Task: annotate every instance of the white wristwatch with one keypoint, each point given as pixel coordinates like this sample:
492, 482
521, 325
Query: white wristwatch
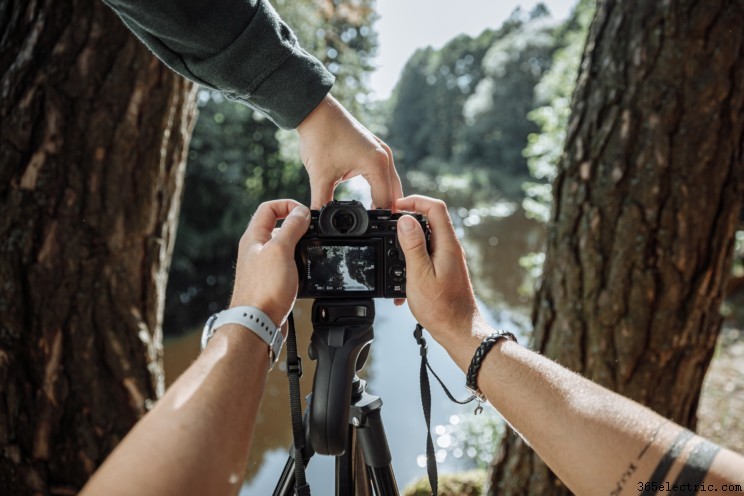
252, 319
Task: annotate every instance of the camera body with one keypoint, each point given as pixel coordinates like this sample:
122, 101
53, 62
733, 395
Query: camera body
351, 252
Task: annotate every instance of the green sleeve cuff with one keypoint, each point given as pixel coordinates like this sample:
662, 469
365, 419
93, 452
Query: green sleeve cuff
291, 92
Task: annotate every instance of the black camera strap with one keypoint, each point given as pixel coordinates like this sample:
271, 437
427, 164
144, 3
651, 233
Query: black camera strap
294, 372
431, 459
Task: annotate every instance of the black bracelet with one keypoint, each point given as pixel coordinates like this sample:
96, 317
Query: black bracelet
472, 378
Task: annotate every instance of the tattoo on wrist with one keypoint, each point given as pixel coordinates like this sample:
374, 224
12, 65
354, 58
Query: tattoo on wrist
632, 467
697, 465
668, 459
691, 475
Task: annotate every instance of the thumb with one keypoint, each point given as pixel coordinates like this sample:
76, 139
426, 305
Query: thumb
413, 243
293, 227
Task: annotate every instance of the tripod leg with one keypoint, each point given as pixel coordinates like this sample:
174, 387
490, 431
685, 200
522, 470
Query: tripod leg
352, 478
374, 446
286, 484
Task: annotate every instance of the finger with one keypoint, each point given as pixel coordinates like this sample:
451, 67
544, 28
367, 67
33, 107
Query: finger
377, 174
442, 231
399, 301
293, 227
413, 243
396, 185
396, 188
321, 191
264, 220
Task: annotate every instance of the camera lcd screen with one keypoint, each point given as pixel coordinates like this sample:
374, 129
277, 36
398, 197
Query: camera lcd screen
339, 267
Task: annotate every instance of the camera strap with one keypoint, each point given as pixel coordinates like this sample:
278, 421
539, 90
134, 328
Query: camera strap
431, 459
294, 372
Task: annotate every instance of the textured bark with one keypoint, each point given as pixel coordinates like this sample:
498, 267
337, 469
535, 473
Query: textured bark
646, 203
92, 151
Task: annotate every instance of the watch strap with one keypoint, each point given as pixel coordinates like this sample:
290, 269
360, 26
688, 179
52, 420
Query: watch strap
253, 319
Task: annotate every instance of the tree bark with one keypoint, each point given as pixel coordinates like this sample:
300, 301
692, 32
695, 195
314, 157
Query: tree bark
92, 152
646, 202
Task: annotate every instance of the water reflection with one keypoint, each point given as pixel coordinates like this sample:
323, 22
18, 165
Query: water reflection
495, 238
494, 245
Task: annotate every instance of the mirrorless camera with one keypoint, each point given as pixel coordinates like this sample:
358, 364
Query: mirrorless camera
351, 252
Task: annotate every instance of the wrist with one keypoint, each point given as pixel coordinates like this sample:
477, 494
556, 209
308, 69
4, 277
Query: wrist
461, 342
276, 315
326, 105
485, 348
243, 342
456, 319
250, 320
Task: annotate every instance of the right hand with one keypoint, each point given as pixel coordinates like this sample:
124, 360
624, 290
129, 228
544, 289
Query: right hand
438, 287
335, 147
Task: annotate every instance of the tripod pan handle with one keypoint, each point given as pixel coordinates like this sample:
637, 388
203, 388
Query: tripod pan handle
337, 349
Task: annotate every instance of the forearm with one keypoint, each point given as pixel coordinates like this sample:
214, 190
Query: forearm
596, 441
203, 426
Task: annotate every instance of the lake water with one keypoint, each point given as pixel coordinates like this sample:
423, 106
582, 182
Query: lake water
495, 238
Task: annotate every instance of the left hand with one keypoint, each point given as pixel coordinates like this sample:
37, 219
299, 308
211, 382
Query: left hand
265, 273
335, 147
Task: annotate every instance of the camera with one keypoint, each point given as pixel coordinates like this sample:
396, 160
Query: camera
351, 252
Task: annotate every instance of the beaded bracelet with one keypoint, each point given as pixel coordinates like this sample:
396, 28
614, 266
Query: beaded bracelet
472, 377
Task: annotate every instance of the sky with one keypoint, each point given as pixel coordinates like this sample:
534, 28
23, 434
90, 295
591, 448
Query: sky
406, 25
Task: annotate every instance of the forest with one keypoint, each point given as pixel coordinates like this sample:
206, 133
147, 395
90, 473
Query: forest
593, 168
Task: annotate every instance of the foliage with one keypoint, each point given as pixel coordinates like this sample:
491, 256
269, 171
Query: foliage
495, 114
461, 110
469, 483
341, 35
428, 99
238, 159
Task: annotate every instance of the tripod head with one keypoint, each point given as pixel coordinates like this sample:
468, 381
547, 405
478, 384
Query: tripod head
342, 331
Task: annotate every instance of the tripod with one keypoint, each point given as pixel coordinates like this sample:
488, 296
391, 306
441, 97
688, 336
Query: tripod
342, 419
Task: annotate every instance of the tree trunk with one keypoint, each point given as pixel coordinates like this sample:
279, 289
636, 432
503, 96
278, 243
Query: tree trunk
646, 203
92, 152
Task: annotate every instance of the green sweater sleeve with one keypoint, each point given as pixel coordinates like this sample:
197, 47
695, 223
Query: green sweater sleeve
239, 47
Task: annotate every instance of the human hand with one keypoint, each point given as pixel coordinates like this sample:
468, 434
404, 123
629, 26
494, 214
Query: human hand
265, 273
335, 147
438, 287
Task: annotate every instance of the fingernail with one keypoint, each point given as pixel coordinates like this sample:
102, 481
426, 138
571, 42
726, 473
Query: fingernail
406, 224
301, 211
